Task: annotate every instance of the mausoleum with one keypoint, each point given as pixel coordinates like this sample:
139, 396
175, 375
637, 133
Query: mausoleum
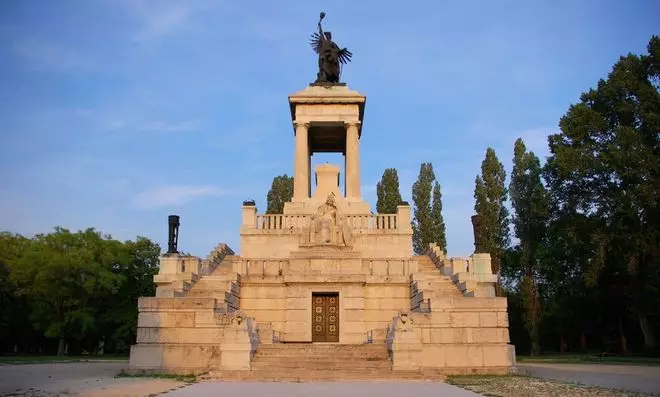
328, 289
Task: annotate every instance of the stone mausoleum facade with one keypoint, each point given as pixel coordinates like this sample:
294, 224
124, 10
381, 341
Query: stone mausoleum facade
326, 271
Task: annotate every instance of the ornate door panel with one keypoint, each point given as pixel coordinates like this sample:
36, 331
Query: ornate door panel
325, 317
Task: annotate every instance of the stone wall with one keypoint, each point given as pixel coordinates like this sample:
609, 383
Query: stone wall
464, 335
285, 305
188, 335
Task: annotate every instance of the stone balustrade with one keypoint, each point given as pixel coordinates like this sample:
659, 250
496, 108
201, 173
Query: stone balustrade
284, 222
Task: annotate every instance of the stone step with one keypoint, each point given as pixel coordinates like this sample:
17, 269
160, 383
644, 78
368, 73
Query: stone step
431, 292
323, 346
318, 350
371, 356
312, 375
433, 279
343, 355
322, 364
425, 285
432, 275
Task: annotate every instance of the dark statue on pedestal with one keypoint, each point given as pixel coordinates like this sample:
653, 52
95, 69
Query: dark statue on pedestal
173, 235
331, 57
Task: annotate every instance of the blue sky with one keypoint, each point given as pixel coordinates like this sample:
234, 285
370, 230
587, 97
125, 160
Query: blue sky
116, 113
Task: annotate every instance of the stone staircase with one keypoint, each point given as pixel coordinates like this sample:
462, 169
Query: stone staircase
220, 283
432, 282
428, 284
304, 362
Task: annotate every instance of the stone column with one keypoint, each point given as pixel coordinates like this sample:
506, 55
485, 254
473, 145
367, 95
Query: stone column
301, 162
352, 160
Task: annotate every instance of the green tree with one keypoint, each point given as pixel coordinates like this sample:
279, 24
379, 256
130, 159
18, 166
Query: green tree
422, 223
605, 166
63, 274
439, 232
281, 191
428, 224
530, 205
119, 318
388, 193
490, 196
14, 320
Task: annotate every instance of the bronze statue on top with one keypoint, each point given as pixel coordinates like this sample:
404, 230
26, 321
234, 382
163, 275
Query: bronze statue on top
331, 57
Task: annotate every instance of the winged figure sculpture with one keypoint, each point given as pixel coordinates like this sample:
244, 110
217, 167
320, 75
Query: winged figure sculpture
331, 57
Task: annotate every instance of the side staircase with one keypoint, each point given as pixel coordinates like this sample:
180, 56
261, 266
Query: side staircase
306, 362
429, 285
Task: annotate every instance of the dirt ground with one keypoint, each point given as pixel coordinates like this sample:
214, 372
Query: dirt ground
78, 379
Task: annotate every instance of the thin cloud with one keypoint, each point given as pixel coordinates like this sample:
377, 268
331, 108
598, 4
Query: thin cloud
43, 55
165, 18
175, 195
171, 127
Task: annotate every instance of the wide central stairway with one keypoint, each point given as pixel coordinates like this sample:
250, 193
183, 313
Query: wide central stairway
304, 362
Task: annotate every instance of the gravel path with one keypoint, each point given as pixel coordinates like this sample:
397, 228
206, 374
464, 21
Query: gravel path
645, 379
74, 379
527, 386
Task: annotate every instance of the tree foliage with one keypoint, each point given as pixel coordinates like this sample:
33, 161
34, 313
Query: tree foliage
490, 195
387, 190
529, 202
585, 275
439, 232
281, 191
76, 288
428, 224
605, 168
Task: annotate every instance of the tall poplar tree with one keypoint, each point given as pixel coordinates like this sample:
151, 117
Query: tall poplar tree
490, 196
439, 233
428, 224
281, 191
530, 205
387, 190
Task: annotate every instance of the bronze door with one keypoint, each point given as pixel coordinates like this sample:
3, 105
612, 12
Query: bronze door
325, 317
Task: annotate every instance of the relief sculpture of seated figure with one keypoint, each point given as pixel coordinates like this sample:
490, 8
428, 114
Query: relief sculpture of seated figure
328, 227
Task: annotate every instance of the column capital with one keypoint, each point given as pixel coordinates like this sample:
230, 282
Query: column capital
355, 123
297, 123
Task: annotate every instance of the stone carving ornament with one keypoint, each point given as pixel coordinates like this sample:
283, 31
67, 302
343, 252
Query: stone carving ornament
328, 227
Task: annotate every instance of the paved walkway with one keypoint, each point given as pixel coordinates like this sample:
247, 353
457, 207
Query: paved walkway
322, 389
645, 379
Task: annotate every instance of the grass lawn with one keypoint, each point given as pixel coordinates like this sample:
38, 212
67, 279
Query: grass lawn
51, 359
589, 359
